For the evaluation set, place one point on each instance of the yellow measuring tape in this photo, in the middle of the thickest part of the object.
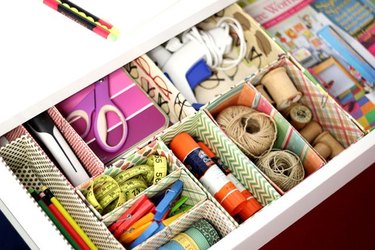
(107, 193)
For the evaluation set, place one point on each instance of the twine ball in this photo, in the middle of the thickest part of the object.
(254, 132)
(283, 167)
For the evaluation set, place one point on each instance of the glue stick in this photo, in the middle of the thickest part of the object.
(208, 173)
(252, 205)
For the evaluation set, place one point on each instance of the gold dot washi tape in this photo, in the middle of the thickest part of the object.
(107, 193)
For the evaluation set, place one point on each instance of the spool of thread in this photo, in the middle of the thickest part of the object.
(281, 88)
(254, 132)
(300, 115)
(283, 167)
(201, 235)
(311, 131)
(323, 150)
(264, 93)
(208, 173)
(331, 142)
(252, 205)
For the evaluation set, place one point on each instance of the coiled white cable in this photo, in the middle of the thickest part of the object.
(215, 54)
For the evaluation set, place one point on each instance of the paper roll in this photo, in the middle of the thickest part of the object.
(323, 149)
(311, 131)
(330, 141)
(281, 88)
(300, 115)
(264, 93)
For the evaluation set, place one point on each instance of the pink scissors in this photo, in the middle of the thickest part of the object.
(93, 109)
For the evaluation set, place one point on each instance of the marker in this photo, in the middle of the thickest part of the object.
(68, 12)
(64, 222)
(92, 17)
(63, 231)
(49, 195)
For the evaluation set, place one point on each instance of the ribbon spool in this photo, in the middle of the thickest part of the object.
(254, 132)
(281, 88)
(327, 139)
(300, 115)
(201, 235)
(283, 167)
(107, 193)
(311, 131)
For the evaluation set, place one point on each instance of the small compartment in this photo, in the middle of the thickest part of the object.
(322, 109)
(286, 138)
(113, 115)
(120, 166)
(258, 51)
(206, 210)
(189, 189)
(201, 128)
(33, 169)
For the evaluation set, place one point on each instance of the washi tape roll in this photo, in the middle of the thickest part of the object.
(330, 141)
(300, 115)
(281, 88)
(208, 231)
(311, 131)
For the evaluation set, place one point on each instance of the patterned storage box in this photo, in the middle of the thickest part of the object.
(261, 50)
(137, 157)
(203, 129)
(33, 169)
(325, 110)
(206, 210)
(287, 136)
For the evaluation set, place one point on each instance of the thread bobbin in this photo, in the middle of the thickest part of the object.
(331, 142)
(323, 150)
(300, 116)
(311, 131)
(281, 88)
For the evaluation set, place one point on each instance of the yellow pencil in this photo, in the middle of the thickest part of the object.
(69, 218)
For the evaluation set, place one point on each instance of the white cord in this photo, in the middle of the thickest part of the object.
(214, 54)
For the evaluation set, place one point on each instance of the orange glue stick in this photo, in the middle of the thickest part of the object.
(208, 173)
(252, 205)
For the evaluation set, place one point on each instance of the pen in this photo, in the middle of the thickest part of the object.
(68, 217)
(64, 222)
(92, 17)
(44, 207)
(68, 12)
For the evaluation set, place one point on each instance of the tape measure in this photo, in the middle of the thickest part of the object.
(107, 193)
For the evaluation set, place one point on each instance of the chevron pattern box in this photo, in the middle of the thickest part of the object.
(326, 111)
(205, 210)
(203, 129)
(134, 158)
(261, 51)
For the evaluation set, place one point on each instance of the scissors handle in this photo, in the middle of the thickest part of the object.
(84, 116)
(101, 127)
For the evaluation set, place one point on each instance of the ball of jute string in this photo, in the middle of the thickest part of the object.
(283, 167)
(254, 132)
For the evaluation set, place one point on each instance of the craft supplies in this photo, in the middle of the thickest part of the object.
(201, 235)
(113, 115)
(264, 93)
(190, 60)
(252, 205)
(106, 193)
(323, 150)
(300, 115)
(327, 139)
(281, 88)
(207, 172)
(254, 132)
(311, 131)
(283, 167)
